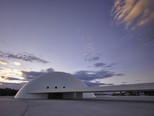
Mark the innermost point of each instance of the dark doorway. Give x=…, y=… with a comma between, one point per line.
x=55, y=95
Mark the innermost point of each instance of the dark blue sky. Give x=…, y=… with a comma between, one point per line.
x=103, y=39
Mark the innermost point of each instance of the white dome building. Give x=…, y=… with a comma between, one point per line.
x=55, y=85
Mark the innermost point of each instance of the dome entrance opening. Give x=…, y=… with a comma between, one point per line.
x=55, y=95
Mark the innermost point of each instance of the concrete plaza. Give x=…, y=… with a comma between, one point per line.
x=88, y=107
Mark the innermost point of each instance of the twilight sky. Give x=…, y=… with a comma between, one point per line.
x=98, y=41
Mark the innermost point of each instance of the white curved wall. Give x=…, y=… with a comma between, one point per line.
x=63, y=82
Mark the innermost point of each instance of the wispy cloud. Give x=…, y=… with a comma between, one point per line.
x=90, y=54
x=91, y=57
x=133, y=13
x=22, y=56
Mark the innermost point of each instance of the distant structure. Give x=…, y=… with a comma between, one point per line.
x=54, y=86
x=60, y=85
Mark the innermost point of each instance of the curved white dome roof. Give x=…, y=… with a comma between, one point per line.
x=55, y=81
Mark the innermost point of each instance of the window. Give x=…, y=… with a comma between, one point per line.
x=47, y=87
x=56, y=87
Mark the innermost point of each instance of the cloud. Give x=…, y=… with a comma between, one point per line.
x=98, y=65
x=85, y=76
x=133, y=13
x=103, y=65
x=92, y=75
x=49, y=70
x=22, y=56
x=92, y=78
x=33, y=74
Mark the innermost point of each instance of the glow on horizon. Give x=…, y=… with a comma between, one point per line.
x=3, y=62
x=10, y=72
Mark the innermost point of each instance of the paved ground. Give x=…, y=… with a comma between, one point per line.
x=13, y=107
